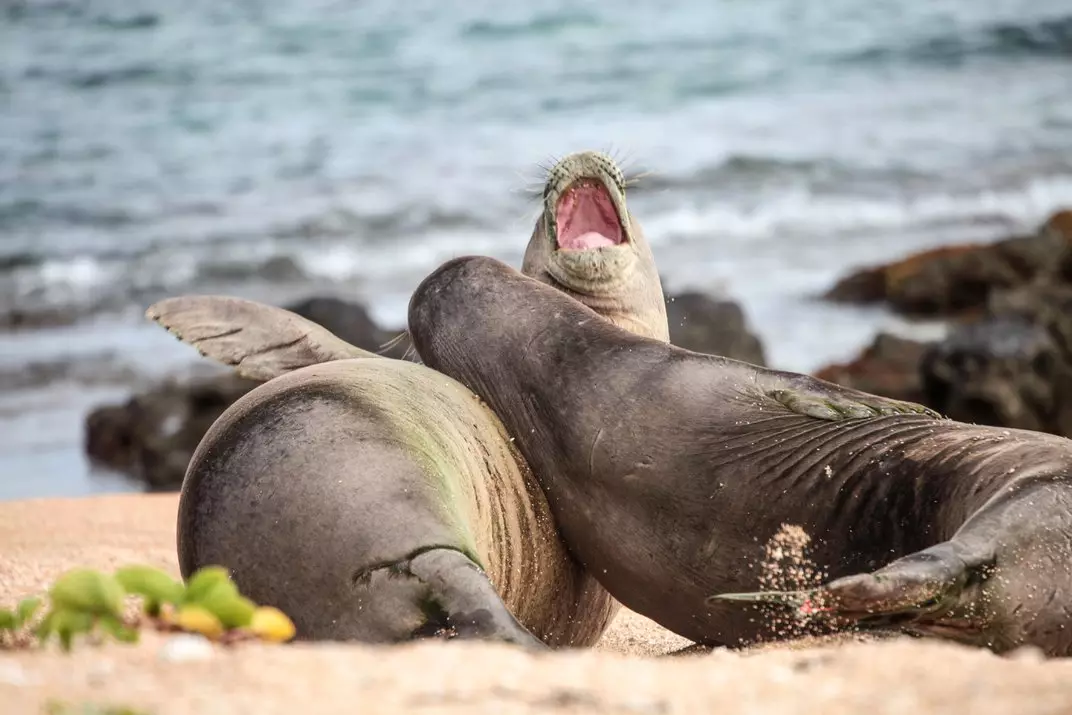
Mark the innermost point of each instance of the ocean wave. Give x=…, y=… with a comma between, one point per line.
x=22, y=10
x=1050, y=37
x=743, y=171
x=141, y=73
x=401, y=221
x=802, y=212
x=540, y=25
x=20, y=211
x=241, y=229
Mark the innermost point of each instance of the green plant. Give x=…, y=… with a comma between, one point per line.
x=88, y=602
x=56, y=707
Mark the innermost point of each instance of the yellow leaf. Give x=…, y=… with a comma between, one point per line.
x=199, y=620
x=271, y=624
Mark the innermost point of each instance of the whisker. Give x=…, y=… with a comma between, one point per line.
x=634, y=179
x=393, y=342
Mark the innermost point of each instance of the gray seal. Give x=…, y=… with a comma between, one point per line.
x=378, y=500
x=678, y=467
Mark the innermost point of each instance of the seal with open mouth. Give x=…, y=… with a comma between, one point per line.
x=379, y=500
x=667, y=470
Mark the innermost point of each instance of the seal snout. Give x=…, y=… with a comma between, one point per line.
x=584, y=200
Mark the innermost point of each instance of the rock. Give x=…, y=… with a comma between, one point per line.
x=352, y=323
x=185, y=648
x=1011, y=367
x=716, y=327
x=154, y=434
x=277, y=269
x=888, y=367
x=35, y=318
x=957, y=280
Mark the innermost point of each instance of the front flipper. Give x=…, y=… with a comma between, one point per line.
x=824, y=400
x=930, y=591
x=439, y=592
x=260, y=341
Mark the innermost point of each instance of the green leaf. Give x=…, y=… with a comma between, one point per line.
x=27, y=608
x=8, y=620
x=115, y=628
x=67, y=624
x=56, y=707
x=153, y=584
x=45, y=627
x=203, y=580
x=89, y=591
x=225, y=602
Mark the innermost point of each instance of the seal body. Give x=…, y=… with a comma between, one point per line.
x=376, y=499
x=379, y=500
x=667, y=472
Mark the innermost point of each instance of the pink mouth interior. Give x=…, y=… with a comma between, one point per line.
x=585, y=218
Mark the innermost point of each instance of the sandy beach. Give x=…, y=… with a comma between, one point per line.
x=636, y=668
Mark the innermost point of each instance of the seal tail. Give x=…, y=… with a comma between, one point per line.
x=260, y=341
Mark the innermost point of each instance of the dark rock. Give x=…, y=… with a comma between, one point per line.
x=23, y=318
x=277, y=269
x=153, y=435
x=352, y=323
x=1011, y=368
x=1008, y=367
x=717, y=327
x=888, y=367
x=959, y=280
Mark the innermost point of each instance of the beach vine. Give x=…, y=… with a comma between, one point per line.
x=93, y=604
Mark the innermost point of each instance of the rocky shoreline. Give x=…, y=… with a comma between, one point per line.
x=1006, y=359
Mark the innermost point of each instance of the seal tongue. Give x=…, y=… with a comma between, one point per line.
x=586, y=218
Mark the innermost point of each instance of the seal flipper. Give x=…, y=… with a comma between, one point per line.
x=921, y=588
x=260, y=341
x=823, y=400
x=925, y=587
x=439, y=591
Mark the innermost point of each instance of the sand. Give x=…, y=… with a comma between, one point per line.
x=636, y=668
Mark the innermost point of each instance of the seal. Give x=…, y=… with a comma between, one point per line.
x=667, y=471
x=378, y=500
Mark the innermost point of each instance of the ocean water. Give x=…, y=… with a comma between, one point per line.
x=278, y=149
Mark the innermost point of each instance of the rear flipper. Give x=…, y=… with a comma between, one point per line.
x=1004, y=580
x=439, y=592
x=917, y=588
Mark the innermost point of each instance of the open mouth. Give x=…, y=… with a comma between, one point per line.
x=586, y=217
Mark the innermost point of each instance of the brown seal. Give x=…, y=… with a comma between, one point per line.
x=379, y=500
x=667, y=471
